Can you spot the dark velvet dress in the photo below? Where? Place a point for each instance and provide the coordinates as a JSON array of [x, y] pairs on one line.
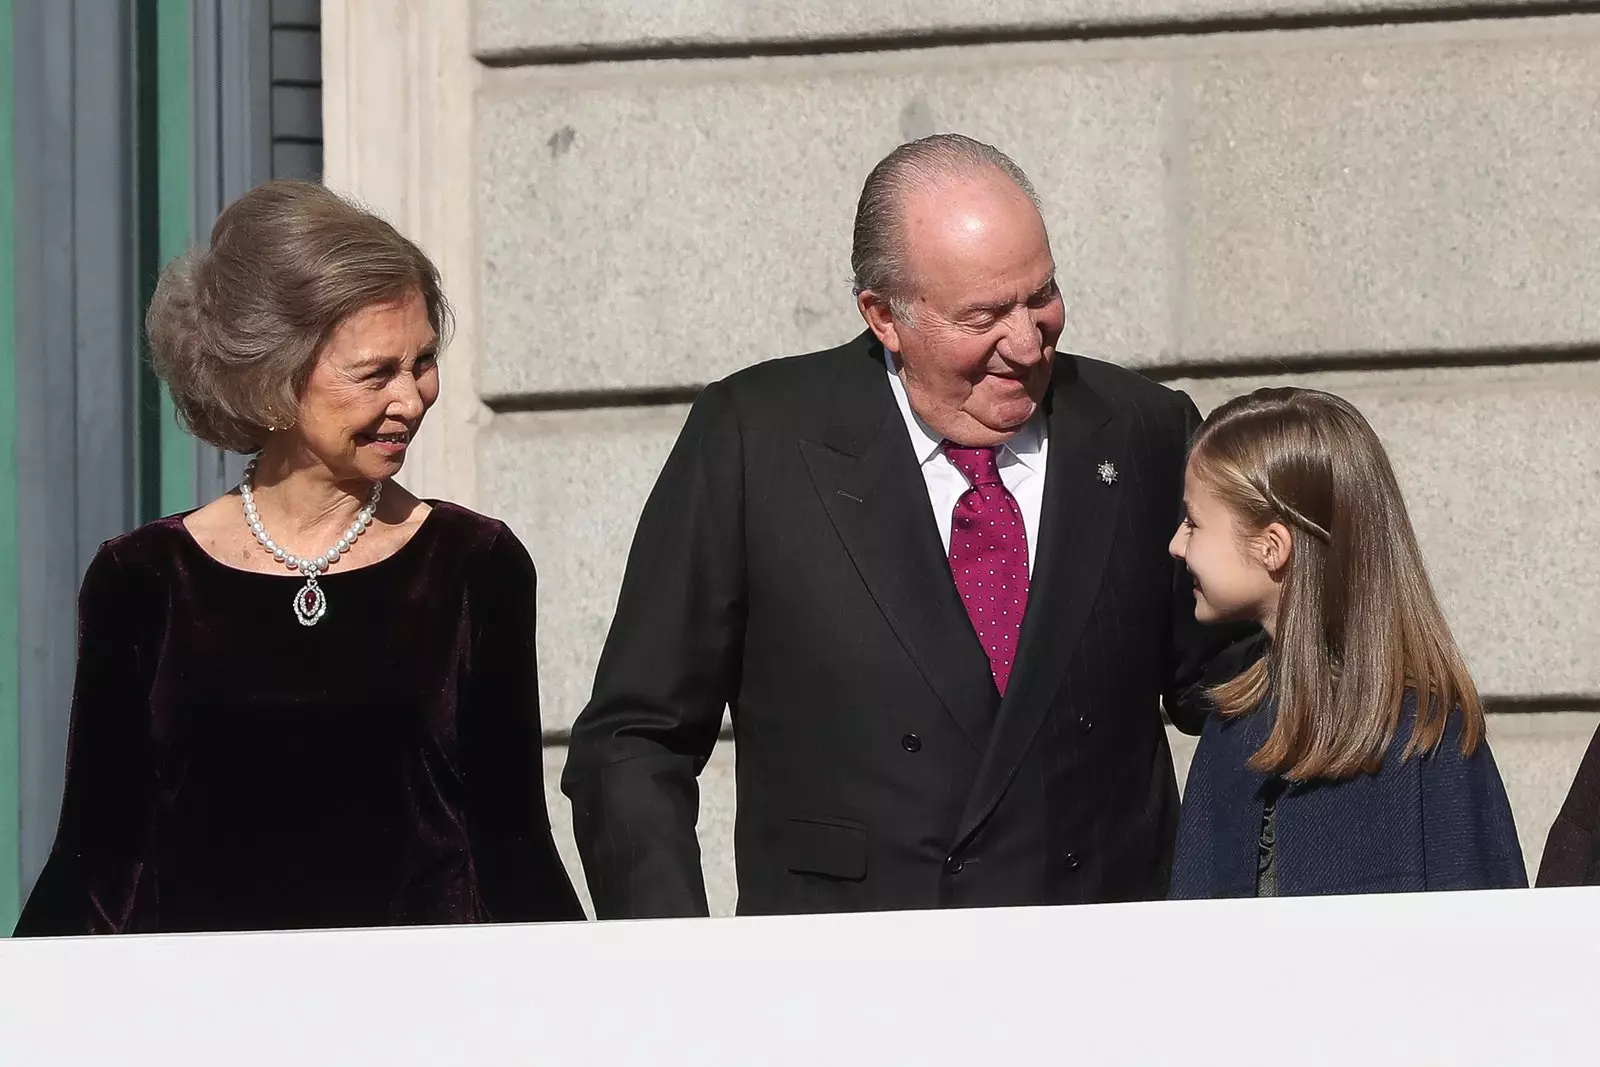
[[231, 769]]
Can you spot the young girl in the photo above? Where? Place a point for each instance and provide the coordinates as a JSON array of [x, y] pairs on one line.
[[1349, 756]]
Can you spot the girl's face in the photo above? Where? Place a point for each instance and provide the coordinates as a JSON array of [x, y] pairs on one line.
[[1233, 571]]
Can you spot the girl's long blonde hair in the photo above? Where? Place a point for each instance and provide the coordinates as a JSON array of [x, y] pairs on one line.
[[1358, 623]]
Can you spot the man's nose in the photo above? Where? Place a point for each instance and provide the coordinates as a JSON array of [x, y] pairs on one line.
[[1021, 345]]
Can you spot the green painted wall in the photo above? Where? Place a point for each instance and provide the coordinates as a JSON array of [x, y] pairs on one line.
[[10, 785], [165, 455], [176, 218]]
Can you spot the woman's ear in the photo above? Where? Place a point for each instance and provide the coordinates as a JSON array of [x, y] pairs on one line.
[[1276, 544]]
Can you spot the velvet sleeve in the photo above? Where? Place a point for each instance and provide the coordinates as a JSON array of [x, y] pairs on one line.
[[1469, 837], [91, 879], [520, 875], [1572, 851]]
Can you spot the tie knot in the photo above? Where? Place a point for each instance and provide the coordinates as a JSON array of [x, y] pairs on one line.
[[980, 465]]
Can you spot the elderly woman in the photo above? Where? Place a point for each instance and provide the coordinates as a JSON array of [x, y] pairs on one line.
[[312, 702]]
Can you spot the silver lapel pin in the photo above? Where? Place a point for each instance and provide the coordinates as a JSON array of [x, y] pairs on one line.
[[1108, 471]]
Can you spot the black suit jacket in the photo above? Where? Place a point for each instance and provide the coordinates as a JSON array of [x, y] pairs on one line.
[[787, 565]]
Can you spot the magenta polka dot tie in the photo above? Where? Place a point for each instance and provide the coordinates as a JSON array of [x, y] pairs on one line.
[[989, 557]]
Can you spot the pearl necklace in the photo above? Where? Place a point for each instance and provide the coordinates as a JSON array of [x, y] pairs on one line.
[[310, 603]]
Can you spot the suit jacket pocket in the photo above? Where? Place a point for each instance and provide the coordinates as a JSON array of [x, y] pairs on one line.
[[833, 847]]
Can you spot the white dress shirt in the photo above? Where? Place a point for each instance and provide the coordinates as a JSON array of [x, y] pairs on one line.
[[1021, 461]]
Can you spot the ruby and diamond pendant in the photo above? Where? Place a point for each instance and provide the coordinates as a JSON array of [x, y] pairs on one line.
[[310, 603]]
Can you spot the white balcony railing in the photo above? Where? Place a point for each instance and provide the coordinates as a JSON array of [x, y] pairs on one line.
[[1501, 978]]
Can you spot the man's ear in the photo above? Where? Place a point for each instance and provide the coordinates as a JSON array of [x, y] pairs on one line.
[[879, 318], [1276, 545]]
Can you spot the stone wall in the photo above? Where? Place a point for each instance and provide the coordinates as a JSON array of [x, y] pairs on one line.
[[1395, 200]]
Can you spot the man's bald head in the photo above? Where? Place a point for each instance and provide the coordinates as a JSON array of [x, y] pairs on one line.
[[878, 252]]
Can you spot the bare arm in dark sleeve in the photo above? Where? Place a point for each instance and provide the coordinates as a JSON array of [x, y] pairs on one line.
[[670, 667], [520, 874]]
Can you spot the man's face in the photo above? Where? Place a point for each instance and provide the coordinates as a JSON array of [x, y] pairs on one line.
[[985, 310]]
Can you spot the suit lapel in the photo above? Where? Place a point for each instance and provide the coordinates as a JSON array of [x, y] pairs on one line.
[[1077, 520], [865, 473]]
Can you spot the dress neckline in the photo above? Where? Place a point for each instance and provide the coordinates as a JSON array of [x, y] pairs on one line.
[[187, 537]]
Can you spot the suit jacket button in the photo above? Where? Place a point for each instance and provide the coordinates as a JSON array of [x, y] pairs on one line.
[[1085, 723], [911, 743], [953, 865], [1072, 861]]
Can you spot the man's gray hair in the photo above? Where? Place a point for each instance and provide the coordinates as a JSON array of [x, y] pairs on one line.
[[877, 255]]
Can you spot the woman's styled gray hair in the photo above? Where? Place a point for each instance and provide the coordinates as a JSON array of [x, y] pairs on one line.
[[236, 327], [877, 255]]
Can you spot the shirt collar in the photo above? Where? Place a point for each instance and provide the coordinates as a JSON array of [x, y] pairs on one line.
[[1024, 447]]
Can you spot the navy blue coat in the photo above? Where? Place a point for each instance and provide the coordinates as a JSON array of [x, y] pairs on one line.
[[1436, 822]]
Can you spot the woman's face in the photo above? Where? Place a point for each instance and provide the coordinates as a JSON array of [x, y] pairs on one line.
[[373, 382]]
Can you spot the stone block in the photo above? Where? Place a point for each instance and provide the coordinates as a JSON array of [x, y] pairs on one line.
[[509, 28], [663, 224], [572, 485], [1500, 472], [1380, 191], [1432, 189], [715, 828]]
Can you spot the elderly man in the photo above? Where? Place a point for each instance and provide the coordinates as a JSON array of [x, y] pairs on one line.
[[927, 572]]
